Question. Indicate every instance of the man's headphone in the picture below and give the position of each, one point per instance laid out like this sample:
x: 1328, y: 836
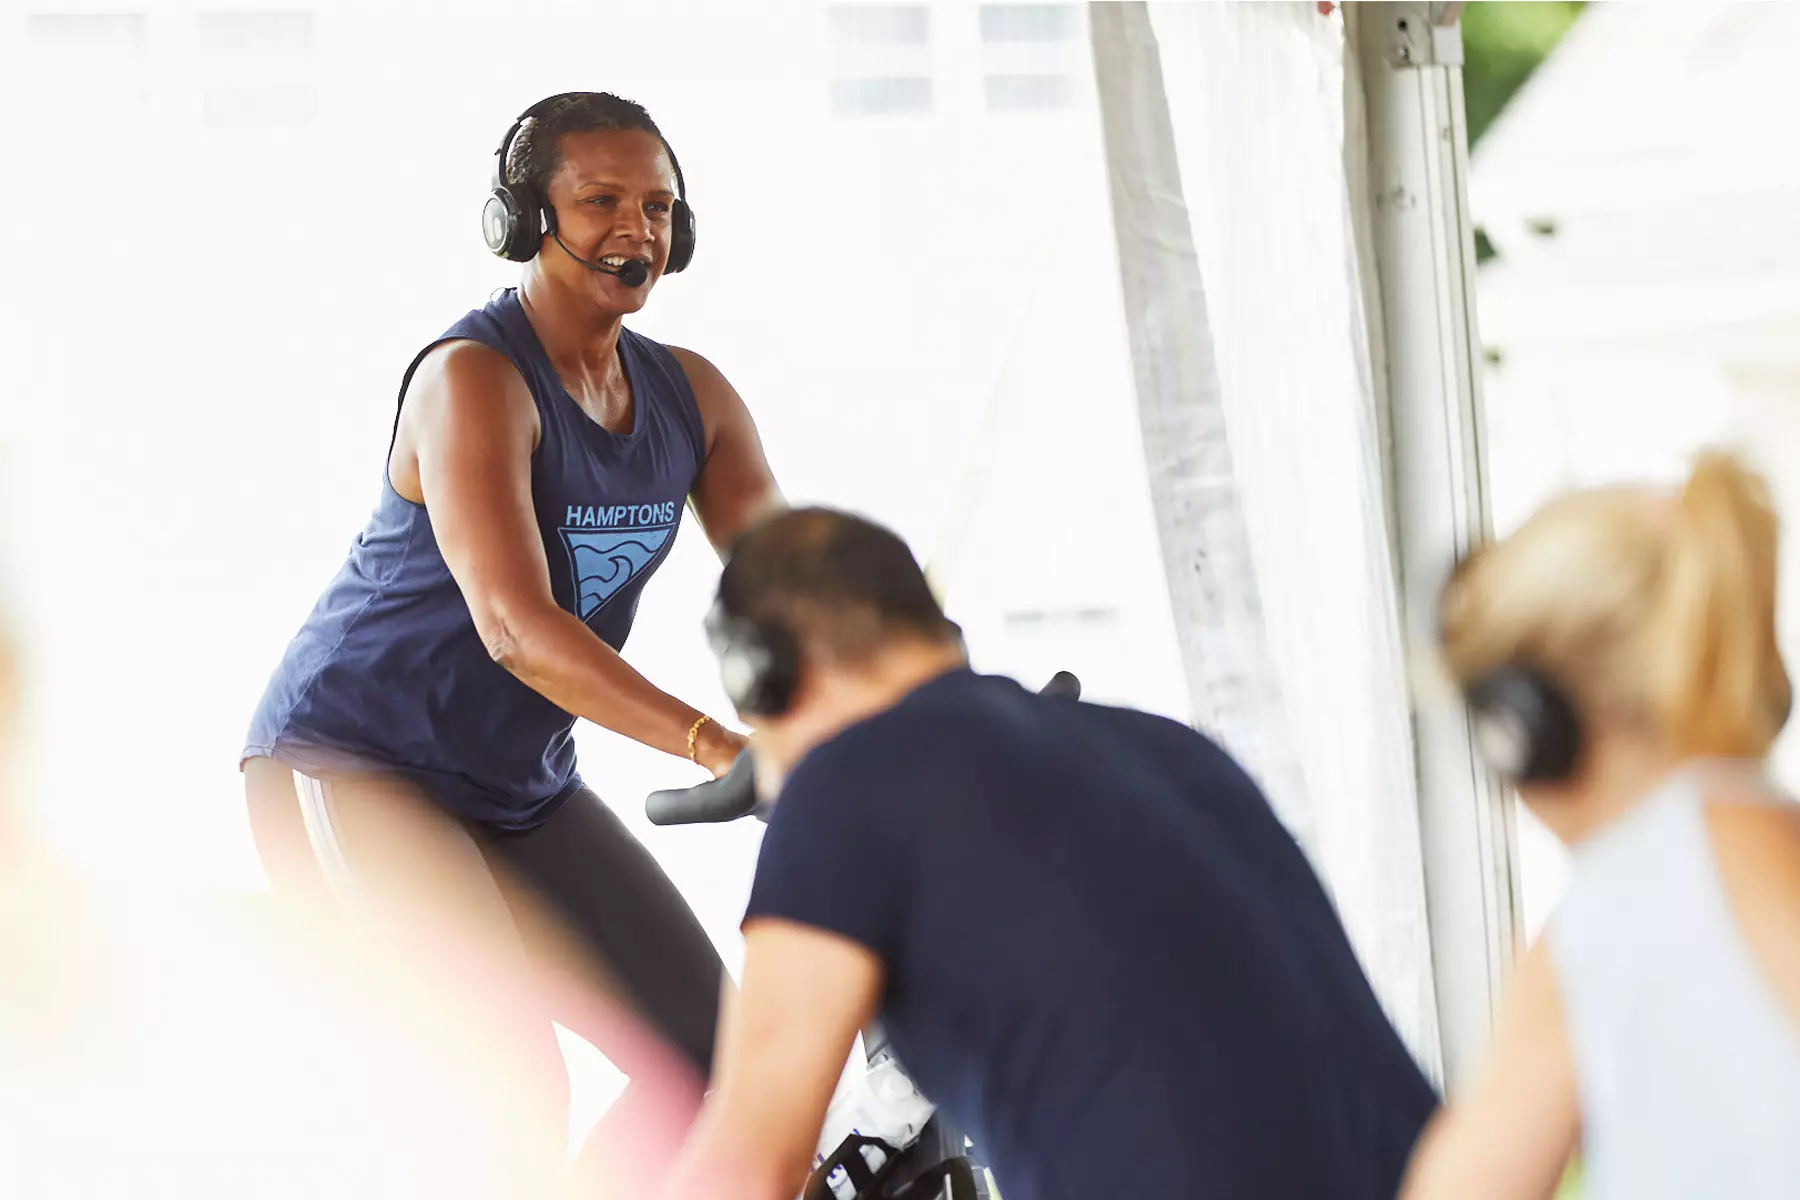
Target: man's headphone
x: 515, y: 219
x: 1525, y: 724
x: 759, y: 661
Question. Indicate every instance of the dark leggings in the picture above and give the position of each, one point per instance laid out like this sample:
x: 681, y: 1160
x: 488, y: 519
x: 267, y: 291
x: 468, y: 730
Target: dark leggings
x: 577, y: 900
x: 607, y: 888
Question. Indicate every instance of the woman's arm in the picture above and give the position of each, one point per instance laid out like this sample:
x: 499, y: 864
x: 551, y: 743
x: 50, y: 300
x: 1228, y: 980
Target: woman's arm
x: 471, y: 426
x: 1511, y: 1137
x: 735, y: 486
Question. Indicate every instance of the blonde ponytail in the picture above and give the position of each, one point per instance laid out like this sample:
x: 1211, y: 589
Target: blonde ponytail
x: 1716, y: 681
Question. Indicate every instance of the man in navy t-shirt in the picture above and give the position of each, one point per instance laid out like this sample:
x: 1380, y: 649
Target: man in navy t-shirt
x: 1090, y: 940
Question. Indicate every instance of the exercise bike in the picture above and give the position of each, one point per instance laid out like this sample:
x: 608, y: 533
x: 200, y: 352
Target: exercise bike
x: 896, y: 1145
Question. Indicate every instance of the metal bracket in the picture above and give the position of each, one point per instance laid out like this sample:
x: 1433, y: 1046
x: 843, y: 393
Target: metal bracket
x: 1424, y: 35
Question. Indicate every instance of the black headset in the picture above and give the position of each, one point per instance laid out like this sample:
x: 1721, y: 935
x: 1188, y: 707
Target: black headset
x: 1525, y: 724
x: 759, y: 661
x: 515, y: 219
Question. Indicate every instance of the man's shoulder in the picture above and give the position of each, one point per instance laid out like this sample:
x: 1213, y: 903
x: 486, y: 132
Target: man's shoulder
x: 899, y: 749
x: 954, y: 708
x: 868, y: 752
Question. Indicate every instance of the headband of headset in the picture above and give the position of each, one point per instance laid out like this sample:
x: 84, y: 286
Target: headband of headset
x: 531, y: 113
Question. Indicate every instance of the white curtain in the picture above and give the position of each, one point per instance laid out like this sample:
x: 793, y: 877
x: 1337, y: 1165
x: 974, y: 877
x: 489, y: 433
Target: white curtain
x: 1225, y: 128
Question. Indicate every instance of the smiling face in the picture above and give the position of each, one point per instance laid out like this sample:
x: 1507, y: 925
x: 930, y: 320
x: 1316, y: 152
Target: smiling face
x: 614, y: 193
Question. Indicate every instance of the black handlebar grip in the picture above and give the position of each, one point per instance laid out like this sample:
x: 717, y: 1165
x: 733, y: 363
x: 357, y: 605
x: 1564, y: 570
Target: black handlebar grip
x: 733, y: 794
x: 730, y: 796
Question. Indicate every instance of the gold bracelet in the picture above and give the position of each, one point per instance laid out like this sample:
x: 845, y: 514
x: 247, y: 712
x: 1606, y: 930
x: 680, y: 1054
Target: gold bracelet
x: 693, y: 738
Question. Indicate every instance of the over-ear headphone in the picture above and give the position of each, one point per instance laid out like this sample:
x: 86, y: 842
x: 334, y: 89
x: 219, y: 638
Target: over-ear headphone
x: 515, y: 219
x: 1525, y: 724
x: 759, y: 661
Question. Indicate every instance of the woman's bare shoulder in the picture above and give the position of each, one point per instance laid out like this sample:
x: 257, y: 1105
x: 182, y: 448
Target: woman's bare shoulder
x: 1755, y: 838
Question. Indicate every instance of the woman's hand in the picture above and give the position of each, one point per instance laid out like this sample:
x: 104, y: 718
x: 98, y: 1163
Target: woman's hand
x: 716, y: 747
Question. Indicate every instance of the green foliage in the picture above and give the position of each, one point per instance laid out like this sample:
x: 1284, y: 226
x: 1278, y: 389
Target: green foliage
x: 1503, y: 43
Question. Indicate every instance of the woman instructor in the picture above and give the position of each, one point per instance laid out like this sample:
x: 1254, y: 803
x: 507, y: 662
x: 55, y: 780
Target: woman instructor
x: 412, y: 753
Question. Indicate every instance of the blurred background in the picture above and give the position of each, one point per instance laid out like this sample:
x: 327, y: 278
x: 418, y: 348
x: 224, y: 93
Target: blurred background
x: 236, y: 223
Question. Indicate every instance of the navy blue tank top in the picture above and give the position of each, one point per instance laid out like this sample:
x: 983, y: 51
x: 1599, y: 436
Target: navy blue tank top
x: 388, y: 673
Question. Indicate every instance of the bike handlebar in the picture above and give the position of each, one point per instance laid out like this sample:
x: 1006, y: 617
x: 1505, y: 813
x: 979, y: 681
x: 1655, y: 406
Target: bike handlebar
x: 732, y: 796
x: 727, y: 798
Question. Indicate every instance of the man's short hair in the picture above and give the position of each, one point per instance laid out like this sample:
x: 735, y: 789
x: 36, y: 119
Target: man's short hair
x: 536, y: 149
x: 841, y: 584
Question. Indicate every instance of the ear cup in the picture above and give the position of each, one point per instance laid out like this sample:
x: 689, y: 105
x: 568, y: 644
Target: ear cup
x: 511, y: 223
x: 1525, y: 725
x: 758, y: 664
x: 681, y: 237
x: 740, y: 667
x: 780, y: 676
x: 498, y: 220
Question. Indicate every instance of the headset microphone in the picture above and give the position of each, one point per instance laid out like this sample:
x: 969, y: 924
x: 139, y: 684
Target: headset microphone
x: 632, y: 273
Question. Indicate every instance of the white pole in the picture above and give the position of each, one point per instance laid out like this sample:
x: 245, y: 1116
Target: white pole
x: 1411, y: 64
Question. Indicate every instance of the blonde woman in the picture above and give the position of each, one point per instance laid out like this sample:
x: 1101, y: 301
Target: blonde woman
x: 1619, y: 658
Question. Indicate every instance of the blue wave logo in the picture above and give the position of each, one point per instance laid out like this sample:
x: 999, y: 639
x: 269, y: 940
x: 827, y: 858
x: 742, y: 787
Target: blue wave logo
x: 605, y: 560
